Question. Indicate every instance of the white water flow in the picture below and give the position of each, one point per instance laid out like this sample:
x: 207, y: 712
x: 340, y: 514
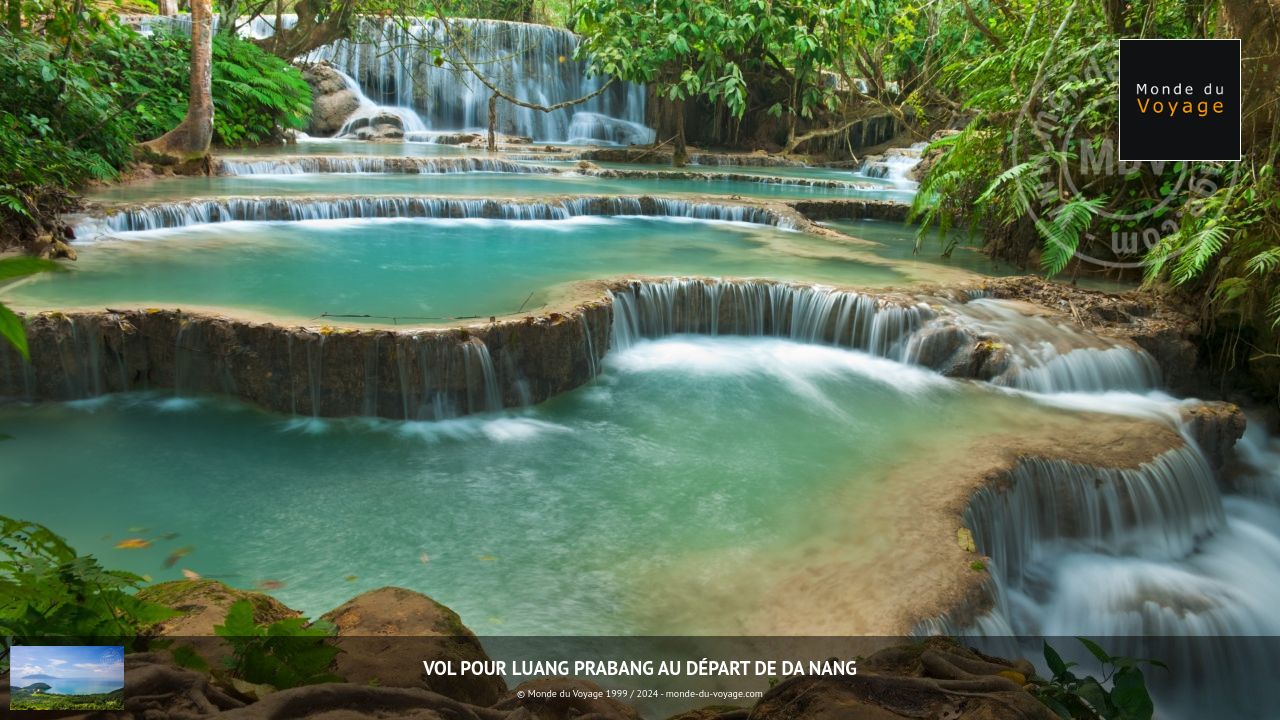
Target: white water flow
x: 369, y: 112
x: 155, y: 216
x: 806, y: 313
x: 1157, y: 561
x: 373, y: 165
x: 395, y: 64
x: 894, y: 165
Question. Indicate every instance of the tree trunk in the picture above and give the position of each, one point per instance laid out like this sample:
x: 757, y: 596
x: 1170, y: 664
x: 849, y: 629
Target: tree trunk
x: 493, y: 122
x: 318, y: 24
x: 680, y: 155
x: 190, y: 140
x: 1257, y: 24
x: 168, y: 7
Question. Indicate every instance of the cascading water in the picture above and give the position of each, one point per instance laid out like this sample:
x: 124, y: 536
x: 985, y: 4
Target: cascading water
x: 1045, y: 356
x: 200, y: 212
x: 368, y: 113
x: 1155, y: 561
x: 804, y: 313
x: 396, y: 64
x: 894, y: 165
x: 373, y: 165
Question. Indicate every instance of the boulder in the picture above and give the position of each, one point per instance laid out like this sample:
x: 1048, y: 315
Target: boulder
x: 332, y: 100
x: 387, y: 634
x: 201, y: 605
x: 545, y: 699
x: 379, y: 126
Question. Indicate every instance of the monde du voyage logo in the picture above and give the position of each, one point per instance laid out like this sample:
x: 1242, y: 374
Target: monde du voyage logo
x: 1179, y: 100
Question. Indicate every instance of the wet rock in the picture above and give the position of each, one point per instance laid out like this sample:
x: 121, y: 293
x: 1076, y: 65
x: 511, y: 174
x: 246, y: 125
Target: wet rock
x: 381, y: 126
x: 81, y: 355
x: 386, y: 634
x: 852, y: 209
x: 544, y: 699
x: 332, y: 100
x: 1215, y: 426
x: 934, y: 679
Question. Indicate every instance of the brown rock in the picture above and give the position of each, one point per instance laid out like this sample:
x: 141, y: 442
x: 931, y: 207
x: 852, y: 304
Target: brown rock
x: 543, y: 701
x: 202, y: 604
x: 332, y: 100
x: 1215, y: 426
x: 387, y: 634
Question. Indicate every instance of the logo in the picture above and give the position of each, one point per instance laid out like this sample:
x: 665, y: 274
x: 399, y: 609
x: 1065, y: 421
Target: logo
x: 1129, y: 200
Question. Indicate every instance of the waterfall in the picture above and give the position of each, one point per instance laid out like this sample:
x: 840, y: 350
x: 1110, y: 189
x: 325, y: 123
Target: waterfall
x: 894, y: 165
x: 155, y: 216
x: 368, y: 112
x: 307, y: 165
x: 476, y: 353
x: 1047, y: 356
x: 804, y: 313
x: 396, y: 64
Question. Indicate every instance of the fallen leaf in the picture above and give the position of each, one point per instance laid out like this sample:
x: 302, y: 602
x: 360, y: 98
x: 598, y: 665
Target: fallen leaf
x: 177, y: 555
x: 270, y: 584
x: 133, y: 544
x: 352, y: 578
x: 424, y: 559
x: 488, y: 558
x: 190, y: 574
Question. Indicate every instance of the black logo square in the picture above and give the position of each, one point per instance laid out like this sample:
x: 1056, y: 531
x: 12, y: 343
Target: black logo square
x: 1179, y: 100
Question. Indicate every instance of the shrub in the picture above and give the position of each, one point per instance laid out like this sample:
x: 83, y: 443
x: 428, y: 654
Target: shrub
x: 49, y: 591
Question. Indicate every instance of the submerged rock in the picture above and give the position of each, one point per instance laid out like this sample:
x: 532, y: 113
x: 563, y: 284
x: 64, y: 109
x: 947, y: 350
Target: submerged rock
x: 387, y: 634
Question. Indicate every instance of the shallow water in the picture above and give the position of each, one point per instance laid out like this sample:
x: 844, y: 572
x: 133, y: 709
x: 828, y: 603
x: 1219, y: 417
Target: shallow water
x: 479, y: 184
x: 575, y: 516
x: 426, y: 269
x: 896, y: 241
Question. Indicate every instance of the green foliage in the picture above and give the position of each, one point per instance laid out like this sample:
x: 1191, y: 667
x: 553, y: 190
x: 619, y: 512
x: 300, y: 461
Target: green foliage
x: 48, y: 591
x: 81, y: 93
x: 287, y: 653
x: 57, y: 128
x: 11, y: 327
x: 27, y: 700
x: 1088, y: 698
x: 805, y: 54
x: 255, y: 94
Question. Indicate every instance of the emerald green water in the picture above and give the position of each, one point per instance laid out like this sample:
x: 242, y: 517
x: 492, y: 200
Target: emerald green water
x: 575, y: 516
x: 422, y: 268
x: 478, y: 184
